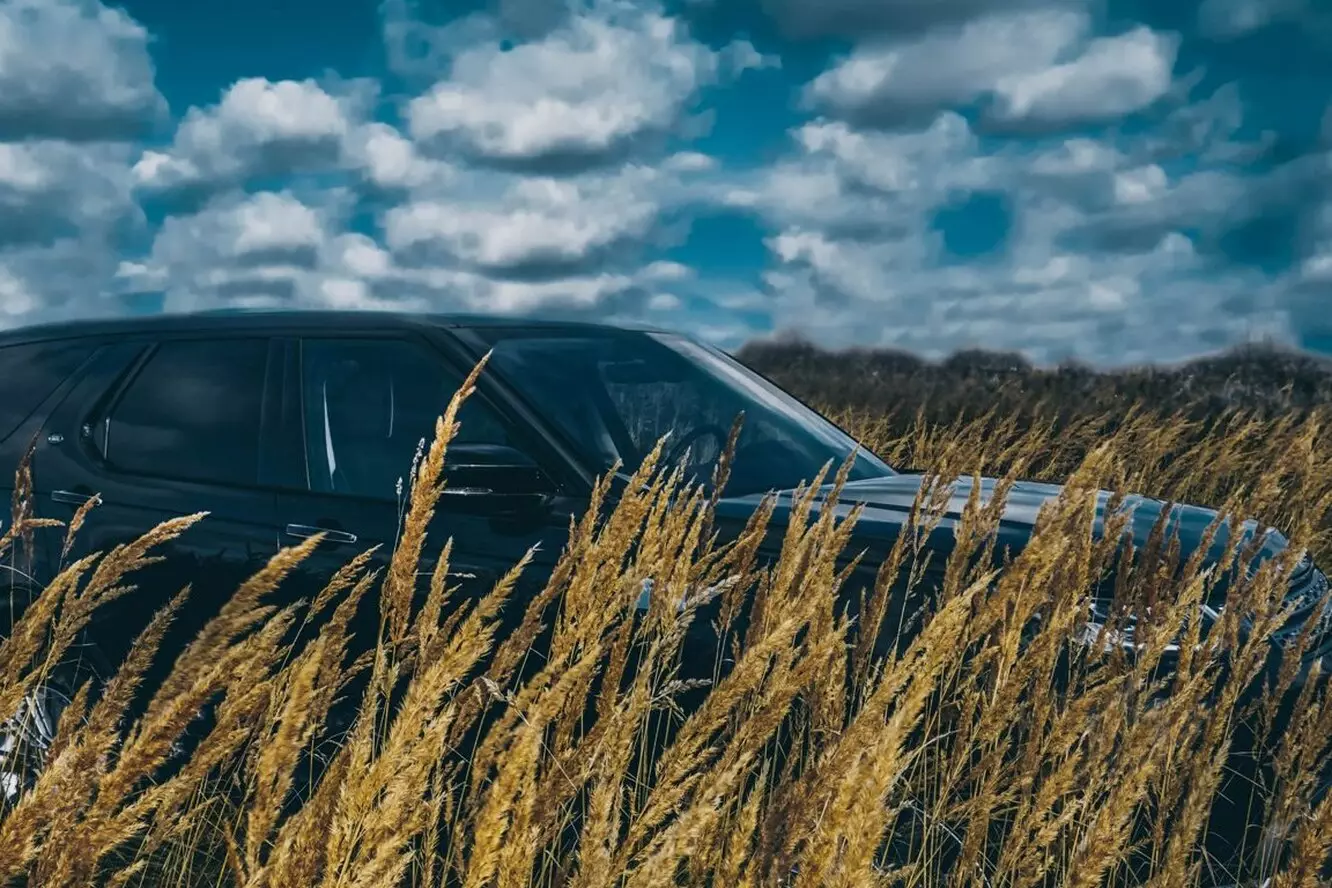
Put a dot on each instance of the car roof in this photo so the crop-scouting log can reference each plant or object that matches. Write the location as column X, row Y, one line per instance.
column 242, row 320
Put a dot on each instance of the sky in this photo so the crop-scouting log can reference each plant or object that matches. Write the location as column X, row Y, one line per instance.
column 1109, row 181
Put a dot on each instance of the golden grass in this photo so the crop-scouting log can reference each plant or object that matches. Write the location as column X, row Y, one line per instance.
column 987, row 748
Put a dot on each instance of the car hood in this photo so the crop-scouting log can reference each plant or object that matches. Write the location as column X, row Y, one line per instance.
column 887, row 504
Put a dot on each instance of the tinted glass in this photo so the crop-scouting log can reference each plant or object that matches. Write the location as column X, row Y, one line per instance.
column 30, row 373
column 616, row 393
column 193, row 413
column 369, row 404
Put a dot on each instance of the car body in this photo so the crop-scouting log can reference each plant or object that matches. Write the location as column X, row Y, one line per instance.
column 285, row 424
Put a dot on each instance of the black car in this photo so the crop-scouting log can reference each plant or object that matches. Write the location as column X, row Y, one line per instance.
column 282, row 425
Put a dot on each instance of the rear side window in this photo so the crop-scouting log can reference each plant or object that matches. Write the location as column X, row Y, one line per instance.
column 30, row 373
column 192, row 413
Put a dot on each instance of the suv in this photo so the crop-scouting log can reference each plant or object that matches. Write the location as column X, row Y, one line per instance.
column 282, row 425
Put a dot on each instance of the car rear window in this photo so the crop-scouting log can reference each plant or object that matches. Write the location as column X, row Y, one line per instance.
column 29, row 373
column 193, row 413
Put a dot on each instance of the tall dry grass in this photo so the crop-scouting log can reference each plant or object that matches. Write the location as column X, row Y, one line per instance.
column 992, row 744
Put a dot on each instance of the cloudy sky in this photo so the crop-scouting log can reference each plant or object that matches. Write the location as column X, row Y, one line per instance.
column 1111, row 180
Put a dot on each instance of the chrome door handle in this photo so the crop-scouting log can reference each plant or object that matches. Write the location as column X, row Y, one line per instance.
column 305, row 531
column 70, row 497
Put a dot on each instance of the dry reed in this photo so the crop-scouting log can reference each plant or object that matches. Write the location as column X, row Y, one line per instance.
column 983, row 738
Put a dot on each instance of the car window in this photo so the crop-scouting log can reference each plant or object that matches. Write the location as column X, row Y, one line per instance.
column 616, row 393
column 192, row 412
column 369, row 404
column 30, row 373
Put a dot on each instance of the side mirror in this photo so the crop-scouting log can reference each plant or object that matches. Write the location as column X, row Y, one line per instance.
column 494, row 478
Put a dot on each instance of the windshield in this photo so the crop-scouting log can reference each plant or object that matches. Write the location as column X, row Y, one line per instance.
column 616, row 393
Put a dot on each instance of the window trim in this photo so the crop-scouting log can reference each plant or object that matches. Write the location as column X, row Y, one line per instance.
column 104, row 407
column 525, row 436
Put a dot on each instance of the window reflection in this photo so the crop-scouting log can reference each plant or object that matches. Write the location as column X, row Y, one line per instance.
column 369, row 404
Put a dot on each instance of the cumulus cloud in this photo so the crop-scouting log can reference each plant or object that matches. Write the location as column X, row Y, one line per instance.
column 1036, row 68
column 257, row 250
column 582, row 95
column 388, row 161
column 890, row 83
column 1105, row 232
column 16, row 297
column 866, row 184
column 65, row 210
column 272, row 249
column 67, row 278
column 51, row 190
column 596, row 295
column 535, row 228
column 74, row 69
column 259, row 128
column 1103, row 242
column 1222, row 208
column 1113, row 77
column 1093, row 307
column 541, row 157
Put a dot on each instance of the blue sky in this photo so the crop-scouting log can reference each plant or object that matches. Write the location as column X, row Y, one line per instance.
column 1109, row 180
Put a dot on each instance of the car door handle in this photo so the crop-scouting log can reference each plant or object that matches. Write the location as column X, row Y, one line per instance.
column 305, row 531
column 71, row 497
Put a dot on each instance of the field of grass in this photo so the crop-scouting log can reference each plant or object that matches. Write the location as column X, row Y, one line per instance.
column 993, row 749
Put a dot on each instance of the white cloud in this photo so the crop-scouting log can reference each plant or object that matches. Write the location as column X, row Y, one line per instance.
column 1317, row 269
column 1113, row 77
column 457, row 290
column 67, row 278
column 1100, row 246
column 1038, row 67
column 51, row 190
column 581, row 94
column 1214, row 203
column 264, row 249
column 1099, row 308
column 259, row 128
column 1140, row 185
column 888, row 82
column 273, row 249
column 534, row 227
column 74, row 69
column 664, row 271
column 866, row 183
column 390, row 161
column 16, row 297
column 694, row 162
column 546, row 176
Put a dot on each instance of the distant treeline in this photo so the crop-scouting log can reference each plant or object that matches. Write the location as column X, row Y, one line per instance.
column 1262, row 379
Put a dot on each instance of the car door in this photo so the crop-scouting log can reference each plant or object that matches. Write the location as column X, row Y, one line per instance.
column 359, row 409
column 33, row 377
column 178, row 430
